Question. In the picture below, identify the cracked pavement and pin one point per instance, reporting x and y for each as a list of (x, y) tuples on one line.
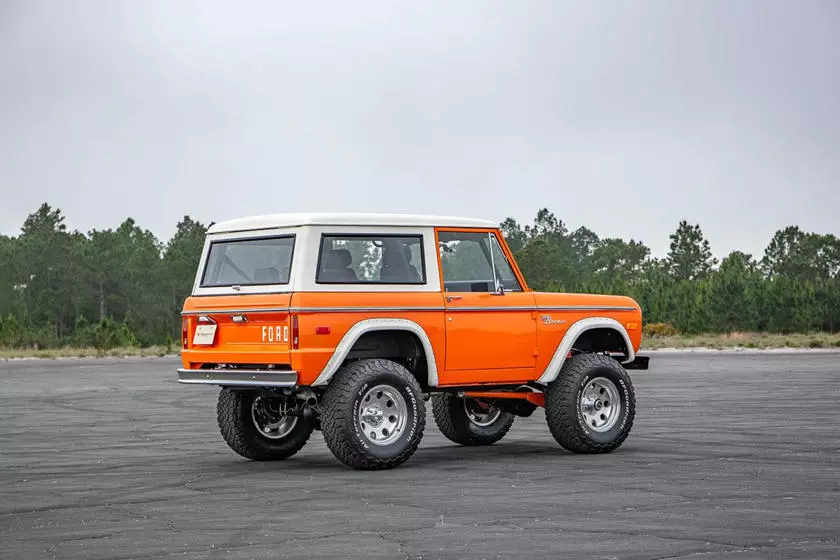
[(731, 456)]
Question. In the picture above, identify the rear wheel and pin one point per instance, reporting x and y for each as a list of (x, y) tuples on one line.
[(373, 415), (470, 421), (591, 405), (261, 427)]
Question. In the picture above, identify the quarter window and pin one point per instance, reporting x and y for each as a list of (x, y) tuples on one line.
[(371, 259), (474, 262)]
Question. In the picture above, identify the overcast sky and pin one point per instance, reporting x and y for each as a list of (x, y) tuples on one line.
[(624, 117)]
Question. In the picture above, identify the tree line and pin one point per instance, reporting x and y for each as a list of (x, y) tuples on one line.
[(124, 287), (106, 288)]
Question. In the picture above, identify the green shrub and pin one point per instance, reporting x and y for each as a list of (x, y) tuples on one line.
[(83, 335), (660, 329), (11, 332), (104, 335)]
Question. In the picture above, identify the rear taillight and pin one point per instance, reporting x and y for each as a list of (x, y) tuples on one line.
[(185, 328), (295, 332)]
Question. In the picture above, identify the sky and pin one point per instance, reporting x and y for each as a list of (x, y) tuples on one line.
[(624, 117)]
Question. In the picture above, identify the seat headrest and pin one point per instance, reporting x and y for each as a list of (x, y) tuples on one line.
[(266, 276), (337, 258), (393, 257), (396, 255)]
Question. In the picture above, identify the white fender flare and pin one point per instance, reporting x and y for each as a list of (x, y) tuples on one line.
[(368, 325), (552, 370)]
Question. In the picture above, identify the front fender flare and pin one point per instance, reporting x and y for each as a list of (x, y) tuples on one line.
[(553, 368)]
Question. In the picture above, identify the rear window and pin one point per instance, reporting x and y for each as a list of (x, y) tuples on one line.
[(249, 262), (371, 259)]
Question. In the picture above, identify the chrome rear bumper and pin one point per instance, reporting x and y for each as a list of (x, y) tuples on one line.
[(238, 377)]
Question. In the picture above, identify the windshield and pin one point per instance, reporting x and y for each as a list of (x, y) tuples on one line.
[(249, 262)]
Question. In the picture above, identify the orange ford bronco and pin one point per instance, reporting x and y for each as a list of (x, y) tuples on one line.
[(349, 323)]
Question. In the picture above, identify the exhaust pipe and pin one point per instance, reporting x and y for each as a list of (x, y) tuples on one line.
[(308, 397), (312, 411)]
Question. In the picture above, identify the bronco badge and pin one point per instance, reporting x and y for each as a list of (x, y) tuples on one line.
[(547, 320)]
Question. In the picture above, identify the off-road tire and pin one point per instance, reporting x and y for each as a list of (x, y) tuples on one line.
[(233, 413), (340, 407), (454, 423), (562, 410)]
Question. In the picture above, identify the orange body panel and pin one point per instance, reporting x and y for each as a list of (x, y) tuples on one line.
[(316, 350), (477, 338), (549, 335)]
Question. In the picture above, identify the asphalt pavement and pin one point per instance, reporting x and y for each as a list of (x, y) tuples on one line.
[(731, 456)]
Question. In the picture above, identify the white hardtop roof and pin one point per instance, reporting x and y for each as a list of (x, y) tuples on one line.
[(272, 221)]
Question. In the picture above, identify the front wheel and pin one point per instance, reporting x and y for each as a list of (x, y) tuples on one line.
[(591, 405), (470, 421), (261, 427), (373, 414)]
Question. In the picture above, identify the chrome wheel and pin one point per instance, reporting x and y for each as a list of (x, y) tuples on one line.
[(382, 415), (599, 404), (481, 414), (270, 418)]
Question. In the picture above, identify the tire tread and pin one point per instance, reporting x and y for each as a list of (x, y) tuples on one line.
[(561, 405), (231, 412), (454, 424), (337, 426)]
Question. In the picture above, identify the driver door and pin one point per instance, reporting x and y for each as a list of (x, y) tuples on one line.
[(490, 321)]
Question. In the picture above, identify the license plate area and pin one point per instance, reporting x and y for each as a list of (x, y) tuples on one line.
[(205, 335)]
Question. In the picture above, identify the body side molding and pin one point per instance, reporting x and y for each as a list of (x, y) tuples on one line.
[(552, 370), (369, 325), (562, 308)]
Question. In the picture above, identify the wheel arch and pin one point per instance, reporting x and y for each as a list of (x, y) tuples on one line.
[(367, 326), (574, 333)]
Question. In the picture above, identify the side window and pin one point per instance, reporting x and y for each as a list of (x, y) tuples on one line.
[(371, 259), (474, 262)]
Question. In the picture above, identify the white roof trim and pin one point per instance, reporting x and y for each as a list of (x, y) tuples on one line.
[(272, 221)]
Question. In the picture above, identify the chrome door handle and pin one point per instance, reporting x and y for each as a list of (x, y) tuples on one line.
[(453, 298)]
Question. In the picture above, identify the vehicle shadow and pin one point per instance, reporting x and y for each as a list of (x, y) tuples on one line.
[(437, 456)]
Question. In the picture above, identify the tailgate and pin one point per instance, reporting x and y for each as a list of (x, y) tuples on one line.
[(238, 329)]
